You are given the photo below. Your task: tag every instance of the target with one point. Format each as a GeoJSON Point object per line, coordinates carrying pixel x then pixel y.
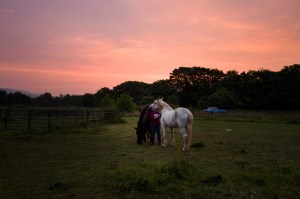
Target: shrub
{"type": "Point", "coordinates": [125, 103]}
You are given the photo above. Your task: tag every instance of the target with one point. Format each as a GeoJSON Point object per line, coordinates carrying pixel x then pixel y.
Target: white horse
{"type": "Point", "coordinates": [181, 118]}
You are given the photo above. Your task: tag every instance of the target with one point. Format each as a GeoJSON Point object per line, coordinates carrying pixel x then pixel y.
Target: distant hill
{"type": "Point", "coordinates": [9, 90]}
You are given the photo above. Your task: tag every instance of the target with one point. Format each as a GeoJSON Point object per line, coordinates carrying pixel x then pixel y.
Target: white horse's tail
{"type": "Point", "coordinates": [189, 127]}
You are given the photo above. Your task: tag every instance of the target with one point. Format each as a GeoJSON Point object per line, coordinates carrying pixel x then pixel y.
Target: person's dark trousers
{"type": "Point", "coordinates": [154, 129]}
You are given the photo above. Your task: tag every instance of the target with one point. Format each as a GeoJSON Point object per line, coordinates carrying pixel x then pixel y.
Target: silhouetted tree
{"type": "Point", "coordinates": [232, 81]}
{"type": "Point", "coordinates": [102, 93]}
{"type": "Point", "coordinates": [45, 99]}
{"type": "Point", "coordinates": [193, 83]}
{"type": "Point", "coordinates": [135, 89]}
{"type": "Point", "coordinates": [87, 100]}
{"type": "Point", "coordinates": [289, 87]}
{"type": "Point", "coordinates": [161, 88]}
{"type": "Point", "coordinates": [107, 101]}
{"type": "Point", "coordinates": [3, 98]}
{"type": "Point", "coordinates": [256, 86]}
{"type": "Point", "coordinates": [125, 103]}
{"type": "Point", "coordinates": [225, 99]}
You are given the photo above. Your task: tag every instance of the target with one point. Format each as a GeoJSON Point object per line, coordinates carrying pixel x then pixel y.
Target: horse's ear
{"type": "Point", "coordinates": [162, 98]}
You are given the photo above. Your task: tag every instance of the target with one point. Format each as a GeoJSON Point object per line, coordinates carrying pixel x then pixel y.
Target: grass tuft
{"type": "Point", "coordinates": [198, 145]}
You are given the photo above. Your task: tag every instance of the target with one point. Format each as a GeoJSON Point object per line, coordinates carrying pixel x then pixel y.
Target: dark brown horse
{"type": "Point", "coordinates": [143, 124]}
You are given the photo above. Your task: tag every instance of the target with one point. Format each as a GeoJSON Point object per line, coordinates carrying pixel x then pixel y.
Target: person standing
{"type": "Point", "coordinates": [154, 126]}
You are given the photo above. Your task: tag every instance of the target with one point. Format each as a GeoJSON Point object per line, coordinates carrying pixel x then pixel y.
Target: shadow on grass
{"type": "Point", "coordinates": [198, 145]}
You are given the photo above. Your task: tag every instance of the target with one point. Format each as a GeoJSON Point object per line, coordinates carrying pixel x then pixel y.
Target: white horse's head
{"type": "Point", "coordinates": [157, 104]}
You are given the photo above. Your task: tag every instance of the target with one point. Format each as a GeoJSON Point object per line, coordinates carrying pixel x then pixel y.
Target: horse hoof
{"type": "Point", "coordinates": [165, 145]}
{"type": "Point", "coordinates": [184, 149]}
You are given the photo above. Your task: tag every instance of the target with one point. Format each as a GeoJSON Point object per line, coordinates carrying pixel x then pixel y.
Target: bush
{"type": "Point", "coordinates": [107, 101]}
{"type": "Point", "coordinates": [125, 103]}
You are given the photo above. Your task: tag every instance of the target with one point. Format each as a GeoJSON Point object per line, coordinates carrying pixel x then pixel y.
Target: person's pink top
{"type": "Point", "coordinates": [154, 121]}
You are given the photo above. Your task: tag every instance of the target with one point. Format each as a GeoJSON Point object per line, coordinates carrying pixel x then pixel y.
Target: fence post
{"type": "Point", "coordinates": [77, 117]}
{"type": "Point", "coordinates": [29, 120]}
{"type": "Point", "coordinates": [87, 117]}
{"type": "Point", "coordinates": [6, 119]}
{"type": "Point", "coordinates": [49, 120]}
{"type": "Point", "coordinates": [62, 118]}
{"type": "Point", "coordinates": [93, 115]}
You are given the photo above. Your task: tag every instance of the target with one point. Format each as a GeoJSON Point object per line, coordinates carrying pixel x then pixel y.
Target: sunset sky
{"type": "Point", "coordinates": [80, 46]}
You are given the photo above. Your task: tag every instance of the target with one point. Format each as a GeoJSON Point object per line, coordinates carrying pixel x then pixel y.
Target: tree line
{"type": "Point", "coordinates": [197, 87]}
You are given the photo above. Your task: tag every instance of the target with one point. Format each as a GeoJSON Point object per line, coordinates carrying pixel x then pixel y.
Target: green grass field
{"type": "Point", "coordinates": [229, 159]}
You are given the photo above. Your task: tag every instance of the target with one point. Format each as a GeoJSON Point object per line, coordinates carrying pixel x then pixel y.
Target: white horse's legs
{"type": "Point", "coordinates": [185, 139]}
{"type": "Point", "coordinates": [164, 135]}
{"type": "Point", "coordinates": [173, 138]}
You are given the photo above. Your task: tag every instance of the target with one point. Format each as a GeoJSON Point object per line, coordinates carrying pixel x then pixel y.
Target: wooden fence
{"type": "Point", "coordinates": [38, 118]}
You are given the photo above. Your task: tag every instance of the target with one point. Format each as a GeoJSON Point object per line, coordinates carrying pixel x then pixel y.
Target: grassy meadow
{"type": "Point", "coordinates": [230, 158]}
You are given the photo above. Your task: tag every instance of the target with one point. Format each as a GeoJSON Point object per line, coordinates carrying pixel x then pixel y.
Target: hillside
{"type": "Point", "coordinates": [28, 93]}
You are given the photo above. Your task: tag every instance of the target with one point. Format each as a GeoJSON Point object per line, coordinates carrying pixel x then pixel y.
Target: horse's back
{"type": "Point", "coordinates": [177, 118]}
{"type": "Point", "coordinates": [183, 116]}
{"type": "Point", "coordinates": [169, 119]}
{"type": "Point", "coordinates": [183, 112]}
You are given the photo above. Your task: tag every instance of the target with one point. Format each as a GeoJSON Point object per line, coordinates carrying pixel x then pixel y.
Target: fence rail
{"type": "Point", "coordinates": [30, 119]}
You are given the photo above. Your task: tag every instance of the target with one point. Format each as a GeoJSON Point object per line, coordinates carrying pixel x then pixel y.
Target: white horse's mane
{"type": "Point", "coordinates": [164, 104]}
